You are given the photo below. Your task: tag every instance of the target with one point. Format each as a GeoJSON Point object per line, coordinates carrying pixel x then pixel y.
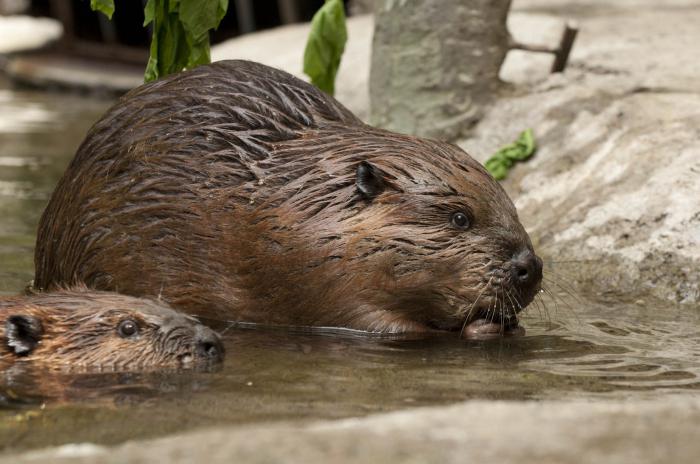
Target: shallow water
{"type": "Point", "coordinates": [574, 348]}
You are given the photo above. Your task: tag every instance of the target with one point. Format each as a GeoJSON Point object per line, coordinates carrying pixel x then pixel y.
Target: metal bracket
{"type": "Point", "coordinates": [561, 52]}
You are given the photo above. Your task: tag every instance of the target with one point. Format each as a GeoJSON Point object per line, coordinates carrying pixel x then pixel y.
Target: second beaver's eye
{"type": "Point", "coordinates": [460, 220]}
{"type": "Point", "coordinates": [127, 328]}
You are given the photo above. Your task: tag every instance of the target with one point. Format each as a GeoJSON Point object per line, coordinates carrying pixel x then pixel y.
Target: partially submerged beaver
{"type": "Point", "coordinates": [86, 329]}
{"type": "Point", "coordinates": [239, 192]}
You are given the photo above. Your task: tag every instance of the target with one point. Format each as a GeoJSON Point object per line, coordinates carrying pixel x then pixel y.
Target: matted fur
{"type": "Point", "coordinates": [230, 190]}
{"type": "Point", "coordinates": [80, 331]}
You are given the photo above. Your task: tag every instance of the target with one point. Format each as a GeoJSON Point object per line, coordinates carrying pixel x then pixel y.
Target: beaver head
{"type": "Point", "coordinates": [88, 329]}
{"type": "Point", "coordinates": [426, 232]}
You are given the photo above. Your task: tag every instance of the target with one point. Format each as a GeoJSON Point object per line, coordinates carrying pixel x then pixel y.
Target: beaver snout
{"type": "Point", "coordinates": [526, 272]}
{"type": "Point", "coordinates": [208, 344]}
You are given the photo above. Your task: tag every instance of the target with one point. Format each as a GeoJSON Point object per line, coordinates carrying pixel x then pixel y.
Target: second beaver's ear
{"type": "Point", "coordinates": [22, 333]}
{"type": "Point", "coordinates": [369, 181]}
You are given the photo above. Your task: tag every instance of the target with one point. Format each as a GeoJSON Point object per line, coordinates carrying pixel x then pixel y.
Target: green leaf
{"type": "Point", "coordinates": [500, 162]}
{"type": "Point", "coordinates": [199, 54]}
{"type": "Point", "coordinates": [180, 37]}
{"type": "Point", "coordinates": [149, 12]}
{"type": "Point", "coordinates": [200, 16]}
{"type": "Point", "coordinates": [106, 7]}
{"type": "Point", "coordinates": [326, 45]}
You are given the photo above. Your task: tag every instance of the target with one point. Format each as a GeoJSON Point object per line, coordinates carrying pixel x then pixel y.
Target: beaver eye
{"type": "Point", "coordinates": [127, 328]}
{"type": "Point", "coordinates": [460, 220]}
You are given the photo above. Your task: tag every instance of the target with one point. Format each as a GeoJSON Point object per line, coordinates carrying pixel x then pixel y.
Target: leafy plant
{"type": "Point", "coordinates": [104, 6]}
{"type": "Point", "coordinates": [502, 161]}
{"type": "Point", "coordinates": [326, 44]}
{"type": "Point", "coordinates": [181, 28]}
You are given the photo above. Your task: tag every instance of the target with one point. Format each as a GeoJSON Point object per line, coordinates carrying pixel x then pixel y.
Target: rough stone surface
{"type": "Point", "coordinates": [484, 432]}
{"type": "Point", "coordinates": [362, 6]}
{"type": "Point", "coordinates": [612, 197]}
{"type": "Point", "coordinates": [435, 64]}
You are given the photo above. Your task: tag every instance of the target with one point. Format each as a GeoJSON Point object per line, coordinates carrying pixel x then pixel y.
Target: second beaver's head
{"type": "Point", "coordinates": [81, 329]}
{"type": "Point", "coordinates": [424, 215]}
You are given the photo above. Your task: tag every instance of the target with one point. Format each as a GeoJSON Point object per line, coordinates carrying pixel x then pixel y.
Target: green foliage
{"type": "Point", "coordinates": [500, 163]}
{"type": "Point", "coordinates": [180, 32]}
{"type": "Point", "coordinates": [104, 6]}
{"type": "Point", "coordinates": [325, 45]}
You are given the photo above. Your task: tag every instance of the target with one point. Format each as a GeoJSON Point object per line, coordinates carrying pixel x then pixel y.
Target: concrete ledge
{"type": "Point", "coordinates": [481, 432]}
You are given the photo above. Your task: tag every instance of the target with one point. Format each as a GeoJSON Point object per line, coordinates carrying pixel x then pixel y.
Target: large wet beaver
{"type": "Point", "coordinates": [240, 192]}
{"type": "Point", "coordinates": [83, 329]}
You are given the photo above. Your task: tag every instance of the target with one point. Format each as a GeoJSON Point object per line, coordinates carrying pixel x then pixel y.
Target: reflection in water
{"type": "Point", "coordinates": [281, 374]}
{"type": "Point", "coordinates": [583, 349]}
{"type": "Point", "coordinates": [659, 346]}
{"type": "Point", "coordinates": [39, 133]}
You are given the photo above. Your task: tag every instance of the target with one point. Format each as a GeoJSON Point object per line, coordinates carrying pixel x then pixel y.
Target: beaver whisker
{"type": "Point", "coordinates": [497, 305]}
{"type": "Point", "coordinates": [228, 327]}
{"type": "Point", "coordinates": [514, 305]}
{"type": "Point", "coordinates": [479, 265]}
{"type": "Point", "coordinates": [174, 344]}
{"type": "Point", "coordinates": [564, 299]}
{"type": "Point", "coordinates": [556, 298]}
{"type": "Point", "coordinates": [492, 304]}
{"type": "Point", "coordinates": [539, 308]}
{"type": "Point", "coordinates": [568, 290]}
{"type": "Point", "coordinates": [542, 307]}
{"type": "Point", "coordinates": [471, 308]}
{"type": "Point", "coordinates": [540, 302]}
{"type": "Point", "coordinates": [514, 302]}
{"type": "Point", "coordinates": [503, 315]}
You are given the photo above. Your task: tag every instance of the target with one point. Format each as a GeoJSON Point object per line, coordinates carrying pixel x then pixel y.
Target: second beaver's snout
{"type": "Point", "coordinates": [208, 344]}
{"type": "Point", "coordinates": [526, 274]}
{"type": "Point", "coordinates": [192, 342]}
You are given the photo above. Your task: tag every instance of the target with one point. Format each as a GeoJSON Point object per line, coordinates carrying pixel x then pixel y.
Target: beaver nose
{"type": "Point", "coordinates": [527, 268]}
{"type": "Point", "coordinates": [208, 344]}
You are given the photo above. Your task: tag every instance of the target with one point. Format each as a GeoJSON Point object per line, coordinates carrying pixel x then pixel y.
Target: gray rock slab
{"type": "Point", "coordinates": [612, 197]}
{"type": "Point", "coordinates": [483, 432]}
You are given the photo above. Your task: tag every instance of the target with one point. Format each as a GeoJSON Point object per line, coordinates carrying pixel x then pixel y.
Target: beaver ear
{"type": "Point", "coordinates": [22, 333]}
{"type": "Point", "coordinates": [369, 181]}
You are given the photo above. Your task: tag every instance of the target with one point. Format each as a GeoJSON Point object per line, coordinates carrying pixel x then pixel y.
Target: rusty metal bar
{"type": "Point", "coordinates": [561, 58]}
{"type": "Point", "coordinates": [561, 52]}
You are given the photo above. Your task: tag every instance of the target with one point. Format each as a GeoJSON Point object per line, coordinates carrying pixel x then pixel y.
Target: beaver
{"type": "Point", "coordinates": [86, 329]}
{"type": "Point", "coordinates": [240, 192]}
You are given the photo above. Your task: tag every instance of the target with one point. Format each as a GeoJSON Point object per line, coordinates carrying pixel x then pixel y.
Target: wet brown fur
{"type": "Point", "coordinates": [231, 191]}
{"type": "Point", "coordinates": [79, 331]}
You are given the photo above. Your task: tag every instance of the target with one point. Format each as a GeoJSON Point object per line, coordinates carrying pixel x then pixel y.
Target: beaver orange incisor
{"type": "Point", "coordinates": [240, 192]}
{"type": "Point", "coordinates": [88, 329]}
